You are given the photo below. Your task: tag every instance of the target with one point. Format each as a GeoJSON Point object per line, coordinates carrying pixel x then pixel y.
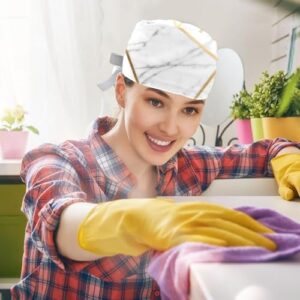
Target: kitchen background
{"type": "Point", "coordinates": [54, 53]}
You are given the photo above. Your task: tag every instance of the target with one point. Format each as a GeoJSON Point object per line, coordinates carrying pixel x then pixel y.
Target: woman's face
{"type": "Point", "coordinates": [158, 124]}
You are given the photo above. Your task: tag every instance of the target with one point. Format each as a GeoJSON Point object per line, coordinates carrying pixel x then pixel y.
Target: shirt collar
{"type": "Point", "coordinates": [106, 157]}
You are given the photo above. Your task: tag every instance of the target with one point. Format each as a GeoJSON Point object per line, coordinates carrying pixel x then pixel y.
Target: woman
{"type": "Point", "coordinates": [81, 245]}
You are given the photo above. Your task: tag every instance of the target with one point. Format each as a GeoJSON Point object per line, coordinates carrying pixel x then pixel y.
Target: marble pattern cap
{"type": "Point", "coordinates": [175, 57]}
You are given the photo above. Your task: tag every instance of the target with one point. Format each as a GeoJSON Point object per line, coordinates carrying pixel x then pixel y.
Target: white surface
{"type": "Point", "coordinates": [258, 281]}
{"type": "Point", "coordinates": [10, 167]}
{"type": "Point", "coordinates": [246, 281]}
{"type": "Point", "coordinates": [7, 283]}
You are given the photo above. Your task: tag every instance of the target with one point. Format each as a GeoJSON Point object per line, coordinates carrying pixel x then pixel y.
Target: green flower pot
{"type": "Point", "coordinates": [257, 129]}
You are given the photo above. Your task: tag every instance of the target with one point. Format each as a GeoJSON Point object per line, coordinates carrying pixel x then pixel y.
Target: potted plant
{"type": "Point", "coordinates": [14, 132]}
{"type": "Point", "coordinates": [240, 112]}
{"type": "Point", "coordinates": [265, 99]}
{"type": "Point", "coordinates": [280, 105]}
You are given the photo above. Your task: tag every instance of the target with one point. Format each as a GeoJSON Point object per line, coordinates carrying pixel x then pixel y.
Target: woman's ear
{"type": "Point", "coordinates": [120, 90]}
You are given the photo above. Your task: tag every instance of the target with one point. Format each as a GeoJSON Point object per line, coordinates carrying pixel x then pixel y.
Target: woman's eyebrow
{"type": "Point", "coordinates": [200, 101]}
{"type": "Point", "coordinates": [162, 93]}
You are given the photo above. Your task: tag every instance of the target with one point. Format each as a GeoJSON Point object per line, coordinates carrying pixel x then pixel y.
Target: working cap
{"type": "Point", "coordinates": [175, 57]}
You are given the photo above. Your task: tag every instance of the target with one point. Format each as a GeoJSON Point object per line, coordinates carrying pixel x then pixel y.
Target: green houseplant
{"type": "Point", "coordinates": [265, 100]}
{"type": "Point", "coordinates": [290, 101]}
{"type": "Point", "coordinates": [14, 132]}
{"type": "Point", "coordinates": [267, 94]}
{"type": "Point", "coordinates": [277, 100]}
{"type": "Point", "coordinates": [240, 112]}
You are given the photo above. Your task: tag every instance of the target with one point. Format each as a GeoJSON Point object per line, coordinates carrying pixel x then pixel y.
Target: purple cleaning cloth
{"type": "Point", "coordinates": [170, 269]}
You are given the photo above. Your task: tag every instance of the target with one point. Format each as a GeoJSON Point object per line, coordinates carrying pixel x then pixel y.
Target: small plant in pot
{"type": "Point", "coordinates": [240, 112]}
{"type": "Point", "coordinates": [14, 132]}
{"type": "Point", "coordinates": [278, 98]}
{"type": "Point", "coordinates": [265, 99]}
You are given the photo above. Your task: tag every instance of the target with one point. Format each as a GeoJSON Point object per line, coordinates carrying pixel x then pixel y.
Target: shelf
{"type": "Point", "coordinates": [10, 167]}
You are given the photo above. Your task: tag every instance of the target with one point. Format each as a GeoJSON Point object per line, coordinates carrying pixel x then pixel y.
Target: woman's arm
{"type": "Point", "coordinates": [253, 160]}
{"type": "Point", "coordinates": [60, 190]}
{"type": "Point", "coordinates": [66, 237]}
{"type": "Point", "coordinates": [289, 150]}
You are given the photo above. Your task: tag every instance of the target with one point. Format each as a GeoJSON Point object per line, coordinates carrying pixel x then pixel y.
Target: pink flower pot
{"type": "Point", "coordinates": [244, 131]}
{"type": "Point", "coordinates": [13, 144]}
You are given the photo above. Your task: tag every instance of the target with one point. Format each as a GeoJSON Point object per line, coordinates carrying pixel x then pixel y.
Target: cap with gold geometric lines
{"type": "Point", "coordinates": [175, 57]}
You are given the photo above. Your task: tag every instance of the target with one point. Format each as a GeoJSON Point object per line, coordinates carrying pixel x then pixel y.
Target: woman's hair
{"type": "Point", "coordinates": [128, 81]}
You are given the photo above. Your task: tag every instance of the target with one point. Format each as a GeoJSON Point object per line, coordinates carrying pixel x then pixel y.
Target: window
{"type": "Point", "coordinates": [294, 52]}
{"type": "Point", "coordinates": [14, 52]}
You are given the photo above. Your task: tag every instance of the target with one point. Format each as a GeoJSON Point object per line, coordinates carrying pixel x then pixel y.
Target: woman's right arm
{"type": "Point", "coordinates": [66, 237]}
{"type": "Point", "coordinates": [55, 202]}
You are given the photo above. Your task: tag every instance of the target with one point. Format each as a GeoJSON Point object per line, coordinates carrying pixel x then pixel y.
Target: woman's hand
{"type": "Point", "coordinates": [286, 168]}
{"type": "Point", "coordinates": [133, 226]}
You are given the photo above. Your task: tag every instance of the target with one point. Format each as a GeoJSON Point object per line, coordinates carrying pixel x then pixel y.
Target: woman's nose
{"type": "Point", "coordinates": [169, 125]}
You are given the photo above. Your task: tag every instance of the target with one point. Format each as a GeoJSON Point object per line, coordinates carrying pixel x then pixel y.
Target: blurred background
{"type": "Point", "coordinates": [53, 53]}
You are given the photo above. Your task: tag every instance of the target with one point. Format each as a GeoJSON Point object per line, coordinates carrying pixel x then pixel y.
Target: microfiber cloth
{"type": "Point", "coordinates": [170, 269]}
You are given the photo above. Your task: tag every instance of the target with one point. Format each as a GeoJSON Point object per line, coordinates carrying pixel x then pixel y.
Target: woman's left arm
{"type": "Point", "coordinates": [289, 150]}
{"type": "Point", "coordinates": [238, 161]}
{"type": "Point", "coordinates": [253, 160]}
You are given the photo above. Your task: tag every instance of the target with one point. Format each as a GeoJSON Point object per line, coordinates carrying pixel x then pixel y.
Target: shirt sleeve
{"type": "Point", "coordinates": [52, 183]}
{"type": "Point", "coordinates": [251, 160]}
{"type": "Point", "coordinates": [201, 165]}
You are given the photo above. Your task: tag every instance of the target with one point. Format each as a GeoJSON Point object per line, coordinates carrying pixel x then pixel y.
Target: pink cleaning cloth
{"type": "Point", "coordinates": [170, 269]}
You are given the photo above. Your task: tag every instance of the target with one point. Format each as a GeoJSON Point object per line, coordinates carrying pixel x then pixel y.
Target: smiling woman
{"type": "Point", "coordinates": [94, 205]}
{"type": "Point", "coordinates": [158, 123]}
{"type": "Point", "coordinates": [76, 201]}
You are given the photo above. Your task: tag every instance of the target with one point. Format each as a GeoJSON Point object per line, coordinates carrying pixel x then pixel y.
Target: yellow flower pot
{"type": "Point", "coordinates": [287, 127]}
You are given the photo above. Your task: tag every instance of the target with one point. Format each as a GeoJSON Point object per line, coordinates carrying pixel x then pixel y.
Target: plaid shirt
{"type": "Point", "coordinates": [89, 170]}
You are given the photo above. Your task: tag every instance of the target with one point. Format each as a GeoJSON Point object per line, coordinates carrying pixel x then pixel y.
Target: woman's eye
{"type": "Point", "coordinates": [155, 102]}
{"type": "Point", "coordinates": [190, 111]}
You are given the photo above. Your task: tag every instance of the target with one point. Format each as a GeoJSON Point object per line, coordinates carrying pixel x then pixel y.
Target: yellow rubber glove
{"type": "Point", "coordinates": [133, 226]}
{"type": "Point", "coordinates": [286, 169]}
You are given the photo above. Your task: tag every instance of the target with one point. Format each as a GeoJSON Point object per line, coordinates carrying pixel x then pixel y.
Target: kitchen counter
{"type": "Point", "coordinates": [10, 171]}
{"type": "Point", "coordinates": [10, 167]}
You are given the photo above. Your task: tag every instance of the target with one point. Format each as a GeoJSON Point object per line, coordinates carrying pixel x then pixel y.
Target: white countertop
{"type": "Point", "coordinates": [276, 280]}
{"type": "Point", "coordinates": [10, 167]}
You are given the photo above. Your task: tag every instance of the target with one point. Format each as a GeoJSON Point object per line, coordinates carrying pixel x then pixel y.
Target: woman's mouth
{"type": "Point", "coordinates": [158, 144]}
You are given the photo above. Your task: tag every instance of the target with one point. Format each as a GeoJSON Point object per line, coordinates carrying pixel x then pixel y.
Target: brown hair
{"type": "Point", "coordinates": [128, 81]}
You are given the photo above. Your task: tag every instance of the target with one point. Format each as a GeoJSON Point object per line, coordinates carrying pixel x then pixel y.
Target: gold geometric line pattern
{"type": "Point", "coordinates": [178, 25]}
{"type": "Point", "coordinates": [212, 75]}
{"type": "Point", "coordinates": [131, 66]}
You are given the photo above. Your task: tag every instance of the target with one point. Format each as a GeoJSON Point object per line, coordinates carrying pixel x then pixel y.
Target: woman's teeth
{"type": "Point", "coordinates": [159, 142]}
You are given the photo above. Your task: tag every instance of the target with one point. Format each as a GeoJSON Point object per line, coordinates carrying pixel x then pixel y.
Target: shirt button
{"type": "Point", "coordinates": [156, 293]}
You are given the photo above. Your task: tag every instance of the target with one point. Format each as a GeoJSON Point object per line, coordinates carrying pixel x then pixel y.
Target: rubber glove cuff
{"type": "Point", "coordinates": [286, 169]}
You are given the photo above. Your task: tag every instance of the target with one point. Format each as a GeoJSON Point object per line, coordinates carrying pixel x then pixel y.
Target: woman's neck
{"type": "Point", "coordinates": [117, 139]}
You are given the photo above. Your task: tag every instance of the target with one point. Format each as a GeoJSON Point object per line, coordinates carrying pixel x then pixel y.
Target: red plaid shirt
{"type": "Point", "coordinates": [89, 170]}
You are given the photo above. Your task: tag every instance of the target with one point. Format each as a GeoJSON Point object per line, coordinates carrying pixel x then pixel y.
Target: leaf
{"type": "Point", "coordinates": [288, 94]}
{"type": "Point", "coordinates": [32, 129]}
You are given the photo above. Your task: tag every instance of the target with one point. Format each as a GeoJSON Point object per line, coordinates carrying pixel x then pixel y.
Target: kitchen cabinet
{"type": "Point", "coordinates": [12, 226]}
